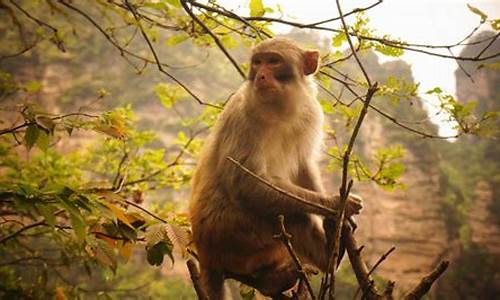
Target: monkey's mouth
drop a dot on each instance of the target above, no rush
(267, 87)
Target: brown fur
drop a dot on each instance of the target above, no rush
(277, 134)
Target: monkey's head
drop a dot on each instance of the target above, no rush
(280, 63)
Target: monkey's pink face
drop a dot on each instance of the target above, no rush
(270, 72)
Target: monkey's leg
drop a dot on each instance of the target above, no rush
(309, 242)
(271, 281)
(213, 283)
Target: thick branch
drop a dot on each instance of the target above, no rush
(358, 266)
(425, 284)
(195, 278)
(380, 260)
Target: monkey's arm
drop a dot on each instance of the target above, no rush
(264, 199)
(309, 177)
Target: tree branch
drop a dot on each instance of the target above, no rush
(358, 266)
(285, 237)
(353, 50)
(425, 284)
(195, 278)
(214, 37)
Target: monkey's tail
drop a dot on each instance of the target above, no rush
(213, 283)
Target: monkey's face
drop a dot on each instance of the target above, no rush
(270, 72)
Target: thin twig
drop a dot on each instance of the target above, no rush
(488, 46)
(392, 43)
(32, 225)
(353, 50)
(214, 37)
(159, 64)
(354, 11)
(257, 30)
(26, 124)
(57, 40)
(462, 68)
(146, 211)
(285, 237)
(174, 162)
(388, 116)
(379, 261)
(20, 52)
(282, 191)
(20, 230)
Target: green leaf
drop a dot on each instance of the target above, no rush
(156, 253)
(436, 90)
(478, 12)
(492, 66)
(495, 24)
(256, 8)
(47, 211)
(33, 86)
(169, 94)
(43, 141)
(127, 231)
(327, 106)
(46, 123)
(338, 39)
(156, 5)
(67, 192)
(174, 3)
(69, 129)
(31, 135)
(176, 39)
(388, 50)
(78, 226)
(83, 202)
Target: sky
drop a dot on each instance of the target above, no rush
(436, 22)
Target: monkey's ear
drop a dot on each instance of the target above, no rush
(311, 62)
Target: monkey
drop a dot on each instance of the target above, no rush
(272, 125)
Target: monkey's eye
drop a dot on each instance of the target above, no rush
(256, 61)
(274, 60)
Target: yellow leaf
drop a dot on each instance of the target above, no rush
(119, 214)
(108, 195)
(126, 250)
(60, 293)
(105, 256)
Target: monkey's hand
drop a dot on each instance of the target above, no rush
(353, 206)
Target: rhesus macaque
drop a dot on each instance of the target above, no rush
(273, 126)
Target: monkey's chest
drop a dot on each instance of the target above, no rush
(281, 155)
